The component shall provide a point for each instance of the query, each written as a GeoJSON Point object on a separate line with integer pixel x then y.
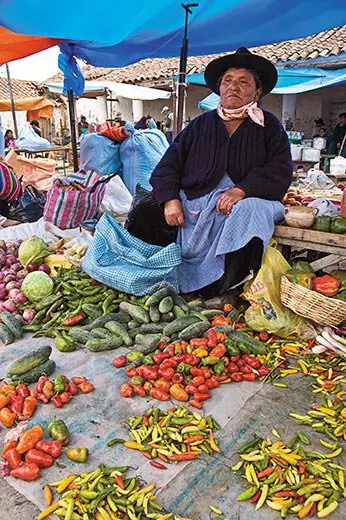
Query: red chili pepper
{"type": "Point", "coordinates": [73, 320]}
{"type": "Point", "coordinates": [203, 389]}
{"type": "Point", "coordinates": [178, 378]}
{"type": "Point", "coordinates": [212, 338]}
{"type": "Point", "coordinates": [43, 398]}
{"type": "Point", "coordinates": [202, 397]}
{"type": "Point", "coordinates": [254, 363]}
{"type": "Point", "coordinates": [313, 509]}
{"type": "Point", "coordinates": [195, 404]}
{"type": "Point", "coordinates": [17, 403]}
{"type": "Point", "coordinates": [139, 390]}
{"type": "Point", "coordinates": [73, 388]}
{"type": "Point", "coordinates": [240, 326]}
{"type": "Point", "coordinates": [256, 496]}
{"type": "Point", "coordinates": [265, 473]}
{"type": "Point", "coordinates": [26, 472]}
{"type": "Point", "coordinates": [8, 446]}
{"type": "Point", "coordinates": [183, 456]}
{"type": "Point", "coordinates": [212, 383]}
{"type": "Point", "coordinates": [131, 372]}
{"type": "Point", "coordinates": [160, 356]}
{"type": "Point", "coordinates": [157, 465]}
{"type": "Point", "coordinates": [285, 494]}
{"type": "Point", "coordinates": [79, 380]}
{"type": "Point", "coordinates": [250, 377]}
{"type": "Point", "coordinates": [13, 458]}
{"type": "Point", "coordinates": [53, 448]}
{"type": "Point", "coordinates": [23, 390]}
{"type": "Point", "coordinates": [263, 371]}
{"type": "Point", "coordinates": [263, 336]}
{"type": "Point", "coordinates": [191, 389]}
{"type": "Point", "coordinates": [167, 373]}
{"type": "Point", "coordinates": [119, 481]}
{"type": "Point", "coordinates": [218, 351]}
{"type": "Point", "coordinates": [168, 363]}
{"type": "Point", "coordinates": [65, 397]}
{"type": "Point", "coordinates": [57, 401]}
{"type": "Point", "coordinates": [198, 342]}
{"type": "Point", "coordinates": [40, 383]}
{"type": "Point", "coordinates": [86, 388]}
{"type": "Point", "coordinates": [43, 460]}
{"type": "Point", "coordinates": [150, 373]}
{"type": "Point", "coordinates": [219, 379]}
{"type": "Point", "coordinates": [191, 359]}
{"type": "Point", "coordinates": [146, 454]}
{"type": "Point", "coordinates": [198, 380]}
{"type": "Point", "coordinates": [162, 457]}
{"type": "Point", "coordinates": [119, 362]}
{"type": "Point", "coordinates": [237, 377]}
{"type": "Point", "coordinates": [197, 371]}
{"type": "Point", "coordinates": [162, 345]}
{"type": "Point", "coordinates": [159, 394]}
{"type": "Point", "coordinates": [29, 407]}
{"type": "Point", "coordinates": [126, 390]}
{"type": "Point", "coordinates": [233, 368]}
{"type": "Point", "coordinates": [146, 420]}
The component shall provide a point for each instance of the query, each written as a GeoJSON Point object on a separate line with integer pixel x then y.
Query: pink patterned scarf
{"type": "Point", "coordinates": [251, 110]}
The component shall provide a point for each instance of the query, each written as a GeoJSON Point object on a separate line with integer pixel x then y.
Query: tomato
{"type": "Point", "coordinates": [237, 378]}
{"type": "Point", "coordinates": [233, 368]}
{"type": "Point", "coordinates": [191, 389]}
{"type": "Point", "coordinates": [250, 377]}
{"type": "Point", "coordinates": [162, 384]}
{"type": "Point", "coordinates": [203, 389]}
{"type": "Point", "coordinates": [131, 372]}
{"type": "Point", "coordinates": [178, 378]}
{"type": "Point", "coordinates": [167, 374]}
{"type": "Point", "coordinates": [263, 336]}
{"type": "Point", "coordinates": [198, 380]}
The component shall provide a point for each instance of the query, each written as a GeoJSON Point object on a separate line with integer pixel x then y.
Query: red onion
{"type": "Point", "coordinates": [11, 285]}
{"type": "Point", "coordinates": [45, 268]}
{"type": "Point", "coordinates": [13, 293]}
{"type": "Point", "coordinates": [3, 293]}
{"type": "Point", "coordinates": [21, 274]}
{"type": "Point", "coordinates": [28, 315]}
{"type": "Point", "coordinates": [2, 259]}
{"type": "Point", "coordinates": [9, 278]}
{"type": "Point", "coordinates": [10, 260]}
{"type": "Point", "coordinates": [2, 308]}
{"type": "Point", "coordinates": [31, 267]}
{"type": "Point", "coordinates": [10, 306]}
{"type": "Point", "coordinates": [2, 276]}
{"type": "Point", "coordinates": [16, 267]}
{"type": "Point", "coordinates": [20, 297]}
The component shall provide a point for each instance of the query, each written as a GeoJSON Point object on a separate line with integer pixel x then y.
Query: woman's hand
{"type": "Point", "coordinates": [174, 213]}
{"type": "Point", "coordinates": [228, 199]}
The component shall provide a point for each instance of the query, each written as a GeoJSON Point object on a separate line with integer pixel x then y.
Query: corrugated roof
{"type": "Point", "coordinates": [324, 44]}
{"type": "Point", "coordinates": [21, 89]}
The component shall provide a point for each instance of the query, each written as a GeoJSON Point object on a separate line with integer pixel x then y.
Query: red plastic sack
{"type": "Point", "coordinates": [117, 134]}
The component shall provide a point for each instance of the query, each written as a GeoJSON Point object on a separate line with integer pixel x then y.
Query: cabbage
{"type": "Point", "coordinates": [32, 251]}
{"type": "Point", "coordinates": [37, 285]}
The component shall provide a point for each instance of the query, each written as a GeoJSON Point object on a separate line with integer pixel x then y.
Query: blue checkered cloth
{"type": "Point", "coordinates": [207, 237]}
{"type": "Point", "coordinates": [128, 264]}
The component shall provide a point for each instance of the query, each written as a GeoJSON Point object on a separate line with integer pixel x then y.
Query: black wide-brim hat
{"type": "Point", "coordinates": [244, 59]}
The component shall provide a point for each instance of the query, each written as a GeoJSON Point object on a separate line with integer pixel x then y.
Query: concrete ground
{"type": "Point", "coordinates": [13, 505]}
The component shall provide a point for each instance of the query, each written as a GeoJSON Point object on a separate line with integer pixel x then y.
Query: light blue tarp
{"type": "Point", "coordinates": [122, 33]}
{"type": "Point", "coordinates": [291, 81]}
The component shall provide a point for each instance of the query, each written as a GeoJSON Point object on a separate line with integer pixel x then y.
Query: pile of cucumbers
{"type": "Point", "coordinates": [29, 368]}
{"type": "Point", "coordinates": [10, 328]}
{"type": "Point", "coordinates": [162, 316]}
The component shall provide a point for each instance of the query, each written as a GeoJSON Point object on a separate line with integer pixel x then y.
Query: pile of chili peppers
{"type": "Point", "coordinates": [25, 457]}
{"type": "Point", "coordinates": [188, 371]}
{"type": "Point", "coordinates": [16, 404]}
{"type": "Point", "coordinates": [172, 435]}
{"type": "Point", "coordinates": [106, 494]}
{"type": "Point", "coordinates": [60, 390]}
{"type": "Point", "coordinates": [289, 479]}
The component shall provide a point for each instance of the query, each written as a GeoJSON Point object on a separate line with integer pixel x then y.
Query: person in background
{"type": "Point", "coordinates": [83, 126]}
{"type": "Point", "coordinates": [167, 124]}
{"type": "Point", "coordinates": [9, 140]}
{"type": "Point", "coordinates": [322, 132]}
{"type": "Point", "coordinates": [35, 125]}
{"type": "Point", "coordinates": [145, 122]}
{"type": "Point", "coordinates": [337, 137]}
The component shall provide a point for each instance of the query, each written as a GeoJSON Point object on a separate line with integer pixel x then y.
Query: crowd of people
{"type": "Point", "coordinates": [335, 139]}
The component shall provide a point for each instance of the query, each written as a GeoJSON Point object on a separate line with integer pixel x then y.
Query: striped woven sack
{"type": "Point", "coordinates": [10, 185]}
{"type": "Point", "coordinates": [73, 199]}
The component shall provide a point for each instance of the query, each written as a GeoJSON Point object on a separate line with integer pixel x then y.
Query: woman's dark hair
{"type": "Point", "coordinates": [34, 123]}
{"type": "Point", "coordinates": [7, 132]}
{"type": "Point", "coordinates": [256, 77]}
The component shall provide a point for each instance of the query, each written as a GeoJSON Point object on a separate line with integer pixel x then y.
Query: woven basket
{"type": "Point", "coordinates": [311, 304]}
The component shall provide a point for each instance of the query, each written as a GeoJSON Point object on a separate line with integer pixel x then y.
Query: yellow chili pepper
{"type": "Point", "coordinates": [134, 446]}
{"type": "Point", "coordinates": [65, 483]}
{"type": "Point", "coordinates": [263, 497]}
{"type": "Point", "coordinates": [303, 366]}
{"type": "Point", "coordinates": [274, 505]}
{"type": "Point", "coordinates": [327, 510]}
{"type": "Point", "coordinates": [213, 444]}
{"type": "Point", "coordinates": [48, 511]}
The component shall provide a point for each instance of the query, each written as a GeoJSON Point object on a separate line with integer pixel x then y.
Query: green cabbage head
{"type": "Point", "coordinates": [37, 285]}
{"type": "Point", "coordinates": [32, 251]}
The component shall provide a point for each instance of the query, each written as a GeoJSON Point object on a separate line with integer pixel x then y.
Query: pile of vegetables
{"type": "Point", "coordinates": [60, 391]}
{"type": "Point", "coordinates": [289, 479]}
{"type": "Point", "coordinates": [106, 493]}
{"type": "Point", "coordinates": [16, 404]}
{"type": "Point", "coordinates": [331, 339]}
{"type": "Point", "coordinates": [172, 435]}
{"type": "Point", "coordinates": [29, 368]}
{"type": "Point", "coordinates": [329, 418]}
{"type": "Point", "coordinates": [29, 454]}
{"type": "Point", "coordinates": [10, 328]}
{"type": "Point", "coordinates": [331, 224]}
{"type": "Point", "coordinates": [187, 371]}
{"type": "Point", "coordinates": [331, 285]}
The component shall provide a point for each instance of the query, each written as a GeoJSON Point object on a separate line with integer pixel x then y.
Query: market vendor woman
{"type": "Point", "coordinates": [218, 187]}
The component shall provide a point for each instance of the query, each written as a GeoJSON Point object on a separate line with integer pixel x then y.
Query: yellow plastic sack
{"type": "Point", "coordinates": [266, 312]}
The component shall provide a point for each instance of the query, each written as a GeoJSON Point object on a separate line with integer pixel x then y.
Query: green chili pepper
{"type": "Point", "coordinates": [58, 430]}
{"type": "Point", "coordinates": [112, 442]}
{"type": "Point", "coordinates": [219, 368]}
{"type": "Point", "coordinates": [184, 368]}
{"type": "Point", "coordinates": [133, 356]}
{"type": "Point", "coordinates": [59, 385]}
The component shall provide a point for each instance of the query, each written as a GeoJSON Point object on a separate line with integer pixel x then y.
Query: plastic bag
{"type": "Point", "coordinates": [139, 155]}
{"type": "Point", "coordinates": [266, 312]}
{"type": "Point", "coordinates": [117, 200]}
{"type": "Point", "coordinates": [317, 179]}
{"type": "Point", "coordinates": [326, 208]}
{"type": "Point", "coordinates": [29, 140]}
{"type": "Point", "coordinates": [100, 154]}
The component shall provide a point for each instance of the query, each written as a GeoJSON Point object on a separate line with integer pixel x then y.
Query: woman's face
{"type": "Point", "coordinates": [9, 135]}
{"type": "Point", "coordinates": [238, 88]}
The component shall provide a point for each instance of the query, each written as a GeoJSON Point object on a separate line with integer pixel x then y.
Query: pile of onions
{"type": "Point", "coordinates": [331, 339]}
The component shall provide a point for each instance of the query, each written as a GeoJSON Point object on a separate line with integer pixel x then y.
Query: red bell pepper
{"type": "Point", "coordinates": [326, 285]}
{"type": "Point", "coordinates": [159, 394]}
{"type": "Point", "coordinates": [17, 403]}
{"type": "Point", "coordinates": [13, 458]}
{"type": "Point", "coordinates": [23, 390]}
{"type": "Point", "coordinates": [43, 460]}
{"type": "Point", "coordinates": [29, 407]}
{"type": "Point", "coordinates": [26, 472]}
{"type": "Point", "coordinates": [150, 372]}
{"type": "Point", "coordinates": [160, 356]}
{"type": "Point", "coordinates": [52, 448]}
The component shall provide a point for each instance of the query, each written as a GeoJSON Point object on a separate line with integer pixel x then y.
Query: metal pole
{"type": "Point", "coordinates": [12, 101]}
{"type": "Point", "coordinates": [181, 90]}
{"type": "Point", "coordinates": [72, 114]}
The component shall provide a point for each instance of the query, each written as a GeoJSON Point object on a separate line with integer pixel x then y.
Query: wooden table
{"type": "Point", "coordinates": [309, 239]}
{"type": "Point", "coordinates": [64, 150]}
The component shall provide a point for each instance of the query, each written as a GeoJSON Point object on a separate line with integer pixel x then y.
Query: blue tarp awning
{"type": "Point", "coordinates": [291, 81]}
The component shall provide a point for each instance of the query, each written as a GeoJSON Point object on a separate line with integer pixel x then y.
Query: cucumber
{"type": "Point", "coordinates": [100, 333]}
{"type": "Point", "coordinates": [150, 340]}
{"type": "Point", "coordinates": [180, 324]}
{"type": "Point", "coordinates": [12, 323]}
{"type": "Point", "coordinates": [145, 349]}
{"type": "Point", "coordinates": [243, 349]}
{"type": "Point", "coordinates": [168, 317]}
{"type": "Point", "coordinates": [194, 331]}
{"type": "Point", "coordinates": [93, 311]}
{"type": "Point", "coordinates": [133, 324]}
{"type": "Point", "coordinates": [29, 361]}
{"type": "Point", "coordinates": [32, 376]}
{"type": "Point", "coordinates": [178, 312]}
{"type": "Point", "coordinates": [6, 336]}
{"type": "Point", "coordinates": [152, 327]}
{"type": "Point", "coordinates": [157, 296]}
{"type": "Point", "coordinates": [195, 304]}
{"type": "Point", "coordinates": [120, 330]}
{"type": "Point", "coordinates": [180, 302]}
{"type": "Point", "coordinates": [199, 315]}
{"type": "Point", "coordinates": [99, 345]}
{"type": "Point", "coordinates": [166, 305]}
{"type": "Point", "coordinates": [136, 312]}
{"type": "Point", "coordinates": [212, 313]}
{"type": "Point", "coordinates": [120, 317]}
{"type": "Point", "coordinates": [241, 338]}
{"type": "Point", "coordinates": [154, 314]}
{"type": "Point", "coordinates": [232, 349]}
{"type": "Point", "coordinates": [133, 333]}
{"type": "Point", "coordinates": [79, 334]}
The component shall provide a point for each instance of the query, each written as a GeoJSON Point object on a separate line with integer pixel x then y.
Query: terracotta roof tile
{"type": "Point", "coordinates": [327, 43]}
{"type": "Point", "coordinates": [21, 89]}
